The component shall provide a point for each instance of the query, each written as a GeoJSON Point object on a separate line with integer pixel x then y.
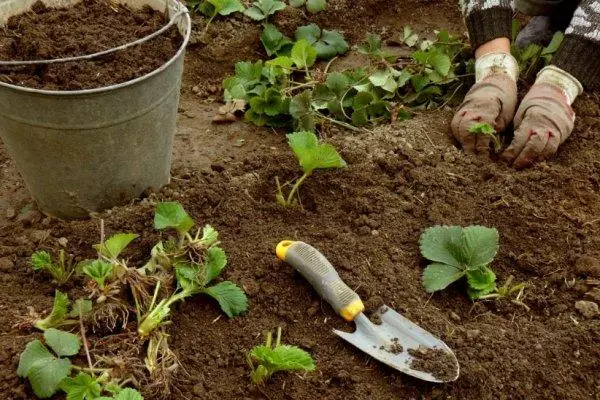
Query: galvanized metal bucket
{"type": "Point", "coordinates": [87, 150]}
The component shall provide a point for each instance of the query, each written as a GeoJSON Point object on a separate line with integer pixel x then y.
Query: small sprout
{"type": "Point", "coordinates": [457, 252]}
{"type": "Point", "coordinates": [99, 271]}
{"type": "Point", "coordinates": [60, 314]}
{"type": "Point", "coordinates": [61, 270]}
{"type": "Point", "coordinates": [271, 358]}
{"type": "Point", "coordinates": [311, 155]}
{"type": "Point", "coordinates": [111, 248]}
{"type": "Point", "coordinates": [507, 290]}
{"type": "Point", "coordinates": [485, 129]}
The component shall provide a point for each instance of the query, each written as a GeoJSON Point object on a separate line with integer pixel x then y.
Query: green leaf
{"type": "Point", "coordinates": [384, 80]}
{"type": "Point", "coordinates": [45, 376]}
{"type": "Point", "coordinates": [262, 9]}
{"type": "Point", "coordinates": [481, 278]}
{"type": "Point", "coordinates": [301, 110]}
{"type": "Point", "coordinates": [272, 39]}
{"type": "Point", "coordinates": [440, 62]}
{"type": "Point", "coordinates": [303, 54]}
{"type": "Point", "coordinates": [172, 215]}
{"type": "Point", "coordinates": [281, 61]}
{"type": "Point", "coordinates": [338, 83]}
{"type": "Point", "coordinates": [443, 244]}
{"type": "Point", "coordinates": [314, 155]}
{"type": "Point", "coordinates": [480, 245]}
{"type": "Point", "coordinates": [297, 3]}
{"type": "Point", "coordinates": [99, 271]}
{"type": "Point", "coordinates": [372, 46]}
{"type": "Point", "coordinates": [35, 351]}
{"type": "Point", "coordinates": [409, 37]}
{"type": "Point", "coordinates": [439, 276]}
{"type": "Point", "coordinates": [331, 44]}
{"type": "Point", "coordinates": [210, 236]}
{"type": "Point", "coordinates": [226, 7]}
{"type": "Point", "coordinates": [63, 343]}
{"type": "Point", "coordinates": [482, 128]}
{"type": "Point", "coordinates": [187, 276]}
{"type": "Point", "coordinates": [58, 313]}
{"type": "Point", "coordinates": [114, 245]}
{"type": "Point", "coordinates": [40, 260]}
{"type": "Point", "coordinates": [44, 370]}
{"type": "Point", "coordinates": [215, 262]}
{"type": "Point", "coordinates": [554, 44]}
{"type": "Point", "coordinates": [129, 394]}
{"type": "Point", "coordinates": [231, 298]}
{"type": "Point", "coordinates": [82, 387]}
{"type": "Point", "coordinates": [281, 358]}
{"type": "Point", "coordinates": [314, 6]}
{"type": "Point", "coordinates": [419, 82]}
{"type": "Point", "coordinates": [311, 33]}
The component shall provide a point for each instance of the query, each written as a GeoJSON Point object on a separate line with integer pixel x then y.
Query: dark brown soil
{"type": "Point", "coordinates": [88, 27]}
{"type": "Point", "coordinates": [437, 362]}
{"type": "Point", "coordinates": [367, 220]}
{"type": "Point", "coordinates": [395, 347]}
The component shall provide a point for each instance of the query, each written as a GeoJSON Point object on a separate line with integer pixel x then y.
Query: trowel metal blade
{"type": "Point", "coordinates": [377, 340]}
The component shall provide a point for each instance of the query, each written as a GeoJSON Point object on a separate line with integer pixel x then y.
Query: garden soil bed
{"type": "Point", "coordinates": [366, 219]}
{"type": "Point", "coordinates": [88, 27]}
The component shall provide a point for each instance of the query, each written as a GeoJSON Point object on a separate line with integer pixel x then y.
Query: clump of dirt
{"type": "Point", "coordinates": [394, 347]}
{"type": "Point", "coordinates": [87, 27]}
{"type": "Point", "coordinates": [434, 361]}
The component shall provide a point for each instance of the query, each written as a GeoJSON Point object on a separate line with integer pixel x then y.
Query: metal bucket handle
{"type": "Point", "coordinates": [151, 36]}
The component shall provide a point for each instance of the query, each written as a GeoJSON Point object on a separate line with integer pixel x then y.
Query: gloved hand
{"type": "Point", "coordinates": [544, 119]}
{"type": "Point", "coordinates": [491, 100]}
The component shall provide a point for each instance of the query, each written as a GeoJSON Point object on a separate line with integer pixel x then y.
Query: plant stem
{"type": "Point", "coordinates": [156, 289]}
{"type": "Point", "coordinates": [278, 342]}
{"type": "Point", "coordinates": [296, 186]}
{"type": "Point", "coordinates": [340, 123]}
{"type": "Point", "coordinates": [205, 30]}
{"type": "Point", "coordinates": [84, 339]}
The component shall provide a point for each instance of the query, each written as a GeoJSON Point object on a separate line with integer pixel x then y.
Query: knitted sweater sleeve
{"type": "Point", "coordinates": [580, 51]}
{"type": "Point", "coordinates": [487, 19]}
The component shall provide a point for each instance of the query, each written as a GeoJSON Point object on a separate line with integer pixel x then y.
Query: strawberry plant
{"type": "Point", "coordinates": [212, 8]}
{"type": "Point", "coordinates": [60, 270]}
{"type": "Point", "coordinates": [196, 262]}
{"type": "Point", "coordinates": [290, 91]}
{"type": "Point", "coordinates": [311, 155]}
{"type": "Point", "coordinates": [486, 129]}
{"type": "Point", "coordinates": [459, 252]}
{"type": "Point", "coordinates": [61, 315]}
{"type": "Point", "coordinates": [273, 357]}
{"type": "Point", "coordinates": [312, 6]}
{"type": "Point", "coordinates": [48, 368]}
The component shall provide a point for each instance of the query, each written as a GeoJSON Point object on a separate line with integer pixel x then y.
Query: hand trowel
{"type": "Point", "coordinates": [394, 340]}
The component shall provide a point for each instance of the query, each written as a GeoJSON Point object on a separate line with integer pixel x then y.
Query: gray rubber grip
{"type": "Point", "coordinates": [319, 272]}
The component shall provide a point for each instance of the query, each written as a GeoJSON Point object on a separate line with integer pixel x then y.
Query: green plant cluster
{"type": "Point", "coordinates": [178, 267]}
{"type": "Point", "coordinates": [48, 368]}
{"type": "Point", "coordinates": [288, 90]}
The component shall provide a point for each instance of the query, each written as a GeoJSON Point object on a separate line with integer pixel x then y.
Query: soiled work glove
{"type": "Point", "coordinates": [491, 100]}
{"type": "Point", "coordinates": [544, 119]}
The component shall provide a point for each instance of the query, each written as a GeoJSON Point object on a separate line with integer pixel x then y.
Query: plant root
{"type": "Point", "coordinates": [109, 315]}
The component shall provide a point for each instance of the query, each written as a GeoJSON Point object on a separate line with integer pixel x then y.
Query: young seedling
{"type": "Point", "coordinates": [212, 8]}
{"type": "Point", "coordinates": [196, 261]}
{"type": "Point", "coordinates": [312, 6]}
{"type": "Point", "coordinates": [311, 155]}
{"type": "Point", "coordinates": [60, 315]}
{"type": "Point", "coordinates": [485, 129]}
{"type": "Point", "coordinates": [61, 270]}
{"type": "Point", "coordinates": [457, 252]}
{"type": "Point", "coordinates": [270, 358]}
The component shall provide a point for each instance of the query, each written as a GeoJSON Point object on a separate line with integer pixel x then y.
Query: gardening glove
{"type": "Point", "coordinates": [544, 119]}
{"type": "Point", "coordinates": [491, 100]}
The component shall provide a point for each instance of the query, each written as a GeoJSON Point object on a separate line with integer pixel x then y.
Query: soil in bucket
{"type": "Point", "coordinates": [87, 27]}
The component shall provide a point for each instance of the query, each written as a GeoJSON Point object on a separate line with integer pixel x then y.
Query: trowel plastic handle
{"type": "Point", "coordinates": [319, 272]}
